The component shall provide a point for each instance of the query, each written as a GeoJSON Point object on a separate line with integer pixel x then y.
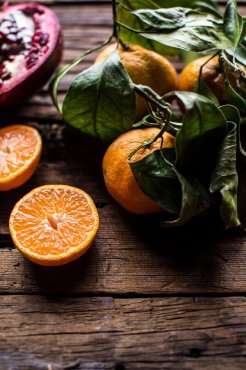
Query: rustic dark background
{"type": "Point", "coordinates": [141, 298]}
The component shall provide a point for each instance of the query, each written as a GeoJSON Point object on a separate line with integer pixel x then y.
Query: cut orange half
{"type": "Point", "coordinates": [54, 224]}
{"type": "Point", "coordinates": [20, 150]}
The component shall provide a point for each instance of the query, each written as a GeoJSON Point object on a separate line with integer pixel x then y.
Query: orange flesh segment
{"type": "Point", "coordinates": [17, 147]}
{"type": "Point", "coordinates": [54, 220]}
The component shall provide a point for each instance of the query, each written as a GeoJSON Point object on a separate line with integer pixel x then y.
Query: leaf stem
{"type": "Point", "coordinates": [233, 65]}
{"type": "Point", "coordinates": [64, 70]}
{"type": "Point", "coordinates": [128, 28]}
{"type": "Point", "coordinates": [149, 95]}
{"type": "Point", "coordinates": [116, 26]}
{"type": "Point", "coordinates": [165, 107]}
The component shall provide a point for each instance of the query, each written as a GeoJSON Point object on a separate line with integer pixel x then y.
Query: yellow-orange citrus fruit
{"type": "Point", "coordinates": [54, 224]}
{"type": "Point", "coordinates": [20, 150]}
{"type": "Point", "coordinates": [212, 75]}
{"type": "Point", "coordinates": [118, 177]}
{"type": "Point", "coordinates": [144, 67]}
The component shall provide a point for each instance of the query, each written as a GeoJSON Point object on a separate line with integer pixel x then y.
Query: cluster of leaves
{"type": "Point", "coordinates": [205, 170]}
{"type": "Point", "coordinates": [200, 173]}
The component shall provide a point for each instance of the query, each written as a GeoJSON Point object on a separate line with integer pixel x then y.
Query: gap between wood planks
{"type": "Point", "coordinates": [124, 296]}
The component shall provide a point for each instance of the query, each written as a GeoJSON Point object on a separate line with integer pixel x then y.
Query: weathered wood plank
{"type": "Point", "coordinates": [166, 333]}
{"type": "Point", "coordinates": [122, 263]}
{"type": "Point", "coordinates": [131, 254]}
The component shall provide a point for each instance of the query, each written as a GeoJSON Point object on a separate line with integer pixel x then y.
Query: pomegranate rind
{"type": "Point", "coordinates": [23, 173]}
{"type": "Point", "coordinates": [63, 258]}
{"type": "Point", "coordinates": [26, 84]}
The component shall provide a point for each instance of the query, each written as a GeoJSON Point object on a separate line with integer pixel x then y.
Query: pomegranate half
{"type": "Point", "coordinates": [30, 50]}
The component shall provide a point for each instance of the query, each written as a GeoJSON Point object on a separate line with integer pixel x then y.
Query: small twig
{"type": "Point", "coordinates": [116, 26]}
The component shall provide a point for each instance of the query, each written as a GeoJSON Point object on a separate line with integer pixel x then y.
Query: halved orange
{"type": "Point", "coordinates": [20, 150]}
{"type": "Point", "coordinates": [54, 224]}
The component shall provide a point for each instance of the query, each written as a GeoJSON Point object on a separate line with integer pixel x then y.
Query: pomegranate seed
{"type": "Point", "coordinates": [15, 41]}
{"type": "Point", "coordinates": [11, 38]}
{"type": "Point", "coordinates": [6, 76]}
{"type": "Point", "coordinates": [44, 39]}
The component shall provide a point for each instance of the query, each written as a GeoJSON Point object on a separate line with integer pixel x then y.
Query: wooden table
{"type": "Point", "coordinates": [141, 298]}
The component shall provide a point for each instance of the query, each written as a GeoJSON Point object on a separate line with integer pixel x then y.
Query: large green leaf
{"type": "Point", "coordinates": [203, 129]}
{"type": "Point", "coordinates": [225, 178]}
{"type": "Point", "coordinates": [207, 7]}
{"type": "Point", "coordinates": [231, 113]}
{"type": "Point", "coordinates": [101, 101]}
{"type": "Point", "coordinates": [233, 23]}
{"type": "Point", "coordinates": [234, 97]}
{"type": "Point", "coordinates": [239, 53]}
{"type": "Point", "coordinates": [183, 196]}
{"type": "Point", "coordinates": [163, 19]}
{"type": "Point", "coordinates": [154, 4]}
{"type": "Point", "coordinates": [132, 22]}
{"type": "Point", "coordinates": [156, 177]}
{"type": "Point", "coordinates": [200, 33]}
{"type": "Point", "coordinates": [195, 200]}
{"type": "Point", "coordinates": [203, 89]}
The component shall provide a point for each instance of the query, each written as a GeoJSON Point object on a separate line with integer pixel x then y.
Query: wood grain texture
{"type": "Point", "coordinates": [117, 307]}
{"type": "Point", "coordinates": [170, 333]}
{"type": "Point", "coordinates": [131, 255]}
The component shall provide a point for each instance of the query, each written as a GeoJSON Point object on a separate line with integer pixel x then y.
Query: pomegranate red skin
{"type": "Point", "coordinates": [33, 79]}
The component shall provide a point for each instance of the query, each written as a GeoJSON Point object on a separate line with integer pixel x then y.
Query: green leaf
{"type": "Point", "coordinates": [231, 113]}
{"type": "Point", "coordinates": [225, 178]}
{"type": "Point", "coordinates": [195, 200]}
{"type": "Point", "coordinates": [154, 4]}
{"type": "Point", "coordinates": [239, 53]}
{"type": "Point", "coordinates": [204, 89]}
{"type": "Point", "coordinates": [131, 21]}
{"type": "Point", "coordinates": [175, 193]}
{"type": "Point", "coordinates": [173, 126]}
{"type": "Point", "coordinates": [204, 127]}
{"type": "Point", "coordinates": [207, 7]}
{"type": "Point", "coordinates": [67, 68]}
{"type": "Point", "coordinates": [233, 23]}
{"type": "Point", "coordinates": [201, 33]}
{"type": "Point", "coordinates": [154, 174]}
{"type": "Point", "coordinates": [101, 100]}
{"type": "Point", "coordinates": [163, 19]}
{"type": "Point", "coordinates": [234, 97]}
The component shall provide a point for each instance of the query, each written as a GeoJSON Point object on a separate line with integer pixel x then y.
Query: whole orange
{"type": "Point", "coordinates": [212, 75]}
{"type": "Point", "coordinates": [118, 177]}
{"type": "Point", "coordinates": [144, 67]}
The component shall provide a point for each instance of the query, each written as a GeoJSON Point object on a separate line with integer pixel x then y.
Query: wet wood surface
{"type": "Point", "coordinates": [141, 298]}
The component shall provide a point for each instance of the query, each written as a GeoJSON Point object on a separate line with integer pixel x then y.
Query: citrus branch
{"type": "Point", "coordinates": [116, 26]}
{"type": "Point", "coordinates": [151, 97]}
